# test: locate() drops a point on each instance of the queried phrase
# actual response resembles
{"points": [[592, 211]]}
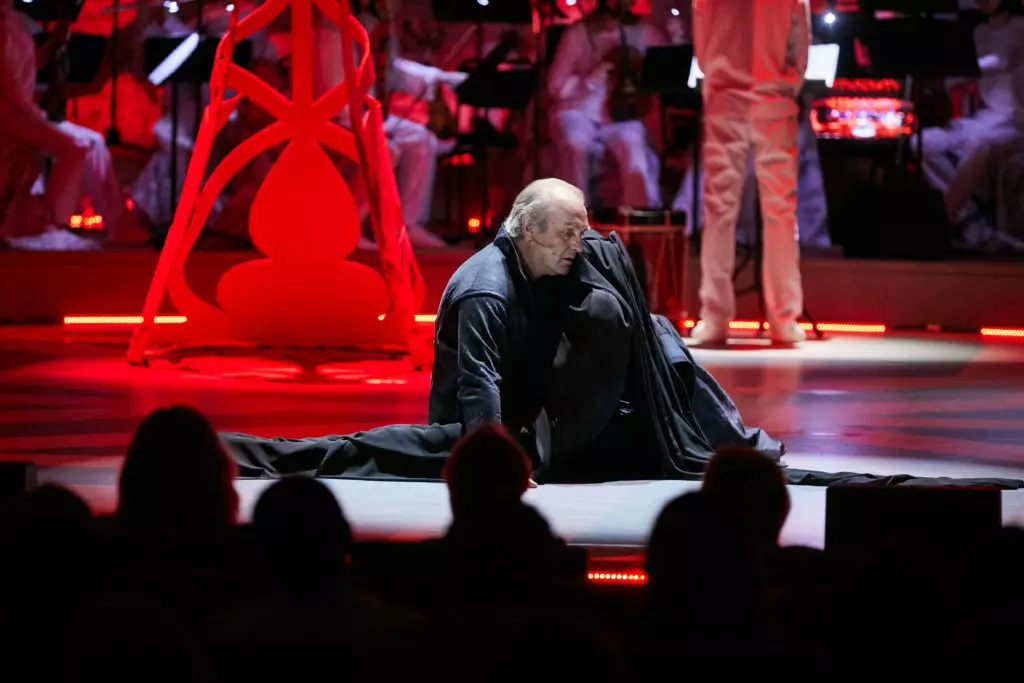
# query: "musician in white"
{"points": [[957, 158], [81, 162], [754, 55], [414, 148], [583, 130]]}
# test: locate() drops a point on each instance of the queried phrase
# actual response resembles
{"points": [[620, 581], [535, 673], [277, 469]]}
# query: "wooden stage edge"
{"points": [[955, 295]]}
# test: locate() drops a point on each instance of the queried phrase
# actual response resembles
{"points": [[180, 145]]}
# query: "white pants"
{"points": [[957, 158], [811, 205], [728, 143], [579, 140], [414, 150], [81, 165]]}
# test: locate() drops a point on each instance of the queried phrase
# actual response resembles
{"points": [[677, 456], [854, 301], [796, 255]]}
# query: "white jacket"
{"points": [[753, 54]]}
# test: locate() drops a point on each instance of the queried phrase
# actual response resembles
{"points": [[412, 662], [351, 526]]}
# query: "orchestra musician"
{"points": [[596, 109], [958, 157], [81, 162], [413, 146]]}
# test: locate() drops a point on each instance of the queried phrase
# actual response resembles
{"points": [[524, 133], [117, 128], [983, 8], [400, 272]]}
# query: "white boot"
{"points": [[708, 333], [53, 240], [420, 237], [787, 333]]}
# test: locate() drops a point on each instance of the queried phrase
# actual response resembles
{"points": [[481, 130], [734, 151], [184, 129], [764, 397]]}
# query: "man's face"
{"points": [[551, 249]]}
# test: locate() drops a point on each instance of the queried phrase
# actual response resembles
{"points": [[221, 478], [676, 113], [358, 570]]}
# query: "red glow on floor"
{"points": [[1001, 332], [629, 577]]}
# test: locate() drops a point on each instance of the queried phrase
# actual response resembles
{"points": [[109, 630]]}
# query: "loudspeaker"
{"points": [[865, 519], [16, 478], [904, 221]]}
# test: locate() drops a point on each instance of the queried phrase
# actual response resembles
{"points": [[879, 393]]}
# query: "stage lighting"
{"points": [[830, 18], [483, 3], [675, 12]]}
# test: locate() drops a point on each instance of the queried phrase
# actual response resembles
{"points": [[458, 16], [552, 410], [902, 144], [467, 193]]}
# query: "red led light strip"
{"points": [[860, 328], [633, 577]]}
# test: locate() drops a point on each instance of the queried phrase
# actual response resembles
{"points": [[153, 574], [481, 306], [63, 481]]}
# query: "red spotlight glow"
{"points": [[473, 224]]}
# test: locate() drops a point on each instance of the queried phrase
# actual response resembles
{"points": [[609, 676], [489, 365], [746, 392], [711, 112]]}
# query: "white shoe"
{"points": [[709, 333], [789, 333], [53, 240], [419, 237]]}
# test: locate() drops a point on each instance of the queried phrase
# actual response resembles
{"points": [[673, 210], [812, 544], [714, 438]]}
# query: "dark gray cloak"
{"points": [[612, 346]]}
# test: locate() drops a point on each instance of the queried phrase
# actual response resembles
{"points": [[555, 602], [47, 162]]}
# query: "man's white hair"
{"points": [[531, 205]]}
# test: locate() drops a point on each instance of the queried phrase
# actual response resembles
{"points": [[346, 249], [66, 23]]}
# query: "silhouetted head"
{"points": [[547, 222], [177, 479], [486, 468], [300, 526], [750, 488], [697, 567]]}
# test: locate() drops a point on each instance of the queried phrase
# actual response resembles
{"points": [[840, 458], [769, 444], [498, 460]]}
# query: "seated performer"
{"points": [[957, 157], [585, 126], [81, 161], [413, 146], [551, 311]]}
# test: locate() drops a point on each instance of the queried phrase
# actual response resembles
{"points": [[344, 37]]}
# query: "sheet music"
{"points": [[822, 62], [174, 60]]}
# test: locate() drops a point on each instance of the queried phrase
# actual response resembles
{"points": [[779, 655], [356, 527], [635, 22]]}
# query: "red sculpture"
{"points": [[303, 218]]}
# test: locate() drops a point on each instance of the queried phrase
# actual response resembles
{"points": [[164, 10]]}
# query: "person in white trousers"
{"points": [[81, 160], [753, 54], [958, 158], [582, 128], [414, 148]]}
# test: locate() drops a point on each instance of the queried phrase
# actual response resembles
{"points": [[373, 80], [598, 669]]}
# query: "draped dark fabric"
{"points": [[625, 398]]}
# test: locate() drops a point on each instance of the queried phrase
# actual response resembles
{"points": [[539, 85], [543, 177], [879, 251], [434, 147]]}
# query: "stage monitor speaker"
{"points": [[867, 519], [894, 222], [16, 478]]}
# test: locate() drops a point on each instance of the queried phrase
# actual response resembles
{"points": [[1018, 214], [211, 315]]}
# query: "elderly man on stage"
{"points": [[544, 330]]}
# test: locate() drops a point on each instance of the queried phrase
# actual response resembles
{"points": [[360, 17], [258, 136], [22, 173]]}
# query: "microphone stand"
{"points": [[113, 134]]}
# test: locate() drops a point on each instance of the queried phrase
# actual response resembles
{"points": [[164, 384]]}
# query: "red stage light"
{"points": [[1001, 332], [474, 224], [87, 222], [629, 577], [752, 325], [121, 319]]}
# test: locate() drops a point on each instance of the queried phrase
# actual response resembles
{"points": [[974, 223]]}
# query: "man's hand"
{"points": [[531, 484]]}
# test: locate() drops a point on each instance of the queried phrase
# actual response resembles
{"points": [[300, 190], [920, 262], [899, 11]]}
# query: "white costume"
{"points": [[581, 127], [81, 160], [753, 54], [414, 148], [957, 158], [811, 205]]}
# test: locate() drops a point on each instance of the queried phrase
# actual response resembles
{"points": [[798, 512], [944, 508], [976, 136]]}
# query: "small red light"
{"points": [[473, 224]]}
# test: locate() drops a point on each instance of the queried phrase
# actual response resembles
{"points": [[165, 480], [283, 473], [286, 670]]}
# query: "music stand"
{"points": [[196, 69], [50, 10], [489, 88], [920, 48], [471, 11], [85, 56]]}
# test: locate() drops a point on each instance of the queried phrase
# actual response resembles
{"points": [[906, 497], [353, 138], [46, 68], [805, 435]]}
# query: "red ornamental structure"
{"points": [[303, 219]]}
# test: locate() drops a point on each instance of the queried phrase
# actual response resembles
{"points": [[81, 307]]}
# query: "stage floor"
{"points": [[935, 405]]}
